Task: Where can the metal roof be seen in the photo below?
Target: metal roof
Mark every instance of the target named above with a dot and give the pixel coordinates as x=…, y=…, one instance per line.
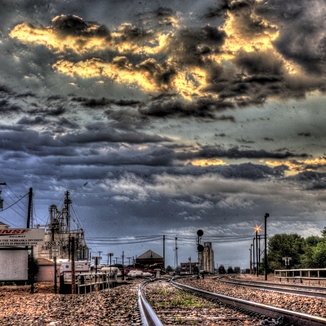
x=149, y=254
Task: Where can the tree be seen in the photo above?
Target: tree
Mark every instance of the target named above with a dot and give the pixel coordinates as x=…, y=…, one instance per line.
x=307, y=260
x=319, y=255
x=221, y=270
x=323, y=233
x=169, y=269
x=285, y=245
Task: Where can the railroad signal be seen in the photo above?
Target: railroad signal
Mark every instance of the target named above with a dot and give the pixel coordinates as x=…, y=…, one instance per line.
x=200, y=248
x=200, y=233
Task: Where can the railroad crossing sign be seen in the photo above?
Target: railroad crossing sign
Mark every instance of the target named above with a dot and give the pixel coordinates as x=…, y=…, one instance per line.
x=55, y=252
x=287, y=260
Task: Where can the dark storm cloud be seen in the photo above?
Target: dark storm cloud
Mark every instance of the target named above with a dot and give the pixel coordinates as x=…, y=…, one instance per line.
x=131, y=33
x=251, y=171
x=7, y=107
x=32, y=122
x=66, y=25
x=66, y=123
x=127, y=120
x=103, y=102
x=33, y=143
x=124, y=157
x=245, y=141
x=111, y=136
x=308, y=176
x=305, y=134
x=210, y=152
x=190, y=46
x=249, y=78
x=301, y=27
x=217, y=11
x=204, y=108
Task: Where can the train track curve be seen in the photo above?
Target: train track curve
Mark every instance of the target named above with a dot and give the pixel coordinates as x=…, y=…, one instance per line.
x=250, y=310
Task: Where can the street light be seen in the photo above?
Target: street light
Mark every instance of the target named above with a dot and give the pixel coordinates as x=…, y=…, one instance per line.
x=257, y=229
x=265, y=251
x=250, y=249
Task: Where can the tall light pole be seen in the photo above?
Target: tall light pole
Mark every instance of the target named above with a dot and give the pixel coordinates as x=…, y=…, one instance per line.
x=250, y=249
x=257, y=229
x=253, y=256
x=265, y=250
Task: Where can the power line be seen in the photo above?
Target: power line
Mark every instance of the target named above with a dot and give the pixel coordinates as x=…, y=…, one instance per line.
x=15, y=202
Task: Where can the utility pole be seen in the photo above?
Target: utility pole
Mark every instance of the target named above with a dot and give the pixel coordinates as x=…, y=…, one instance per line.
x=29, y=213
x=123, y=265
x=163, y=251
x=72, y=265
x=1, y=200
x=54, y=254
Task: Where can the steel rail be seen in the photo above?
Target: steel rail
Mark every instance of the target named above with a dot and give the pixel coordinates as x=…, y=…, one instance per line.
x=147, y=314
x=297, y=318
x=290, y=285
x=278, y=288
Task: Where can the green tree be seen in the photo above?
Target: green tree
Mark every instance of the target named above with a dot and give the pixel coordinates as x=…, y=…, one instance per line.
x=285, y=245
x=319, y=255
x=169, y=269
x=323, y=233
x=307, y=260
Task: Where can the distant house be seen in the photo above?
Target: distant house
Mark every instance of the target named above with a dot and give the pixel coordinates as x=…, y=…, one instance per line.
x=3, y=225
x=150, y=259
x=46, y=270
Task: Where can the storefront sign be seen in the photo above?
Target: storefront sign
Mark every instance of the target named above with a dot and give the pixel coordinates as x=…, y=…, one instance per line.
x=21, y=237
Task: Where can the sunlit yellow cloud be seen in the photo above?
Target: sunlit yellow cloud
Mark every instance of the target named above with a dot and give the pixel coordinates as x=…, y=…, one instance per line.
x=88, y=42
x=188, y=82
x=207, y=162
x=120, y=70
x=300, y=165
x=47, y=36
x=245, y=34
x=241, y=37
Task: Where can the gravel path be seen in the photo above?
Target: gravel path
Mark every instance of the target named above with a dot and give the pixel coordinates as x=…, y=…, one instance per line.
x=309, y=305
x=117, y=306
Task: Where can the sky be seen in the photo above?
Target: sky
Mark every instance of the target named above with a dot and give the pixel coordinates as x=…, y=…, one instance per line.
x=165, y=118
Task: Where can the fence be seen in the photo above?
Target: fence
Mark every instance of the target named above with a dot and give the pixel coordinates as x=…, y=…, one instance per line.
x=88, y=282
x=298, y=275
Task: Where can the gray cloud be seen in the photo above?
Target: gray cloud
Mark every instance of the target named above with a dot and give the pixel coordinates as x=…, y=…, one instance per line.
x=211, y=152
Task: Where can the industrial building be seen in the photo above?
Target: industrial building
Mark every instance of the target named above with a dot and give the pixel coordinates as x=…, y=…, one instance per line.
x=150, y=258
x=208, y=258
x=205, y=261
x=61, y=240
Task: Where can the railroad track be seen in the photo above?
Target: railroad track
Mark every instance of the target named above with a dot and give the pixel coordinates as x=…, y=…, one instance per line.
x=164, y=302
x=305, y=290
